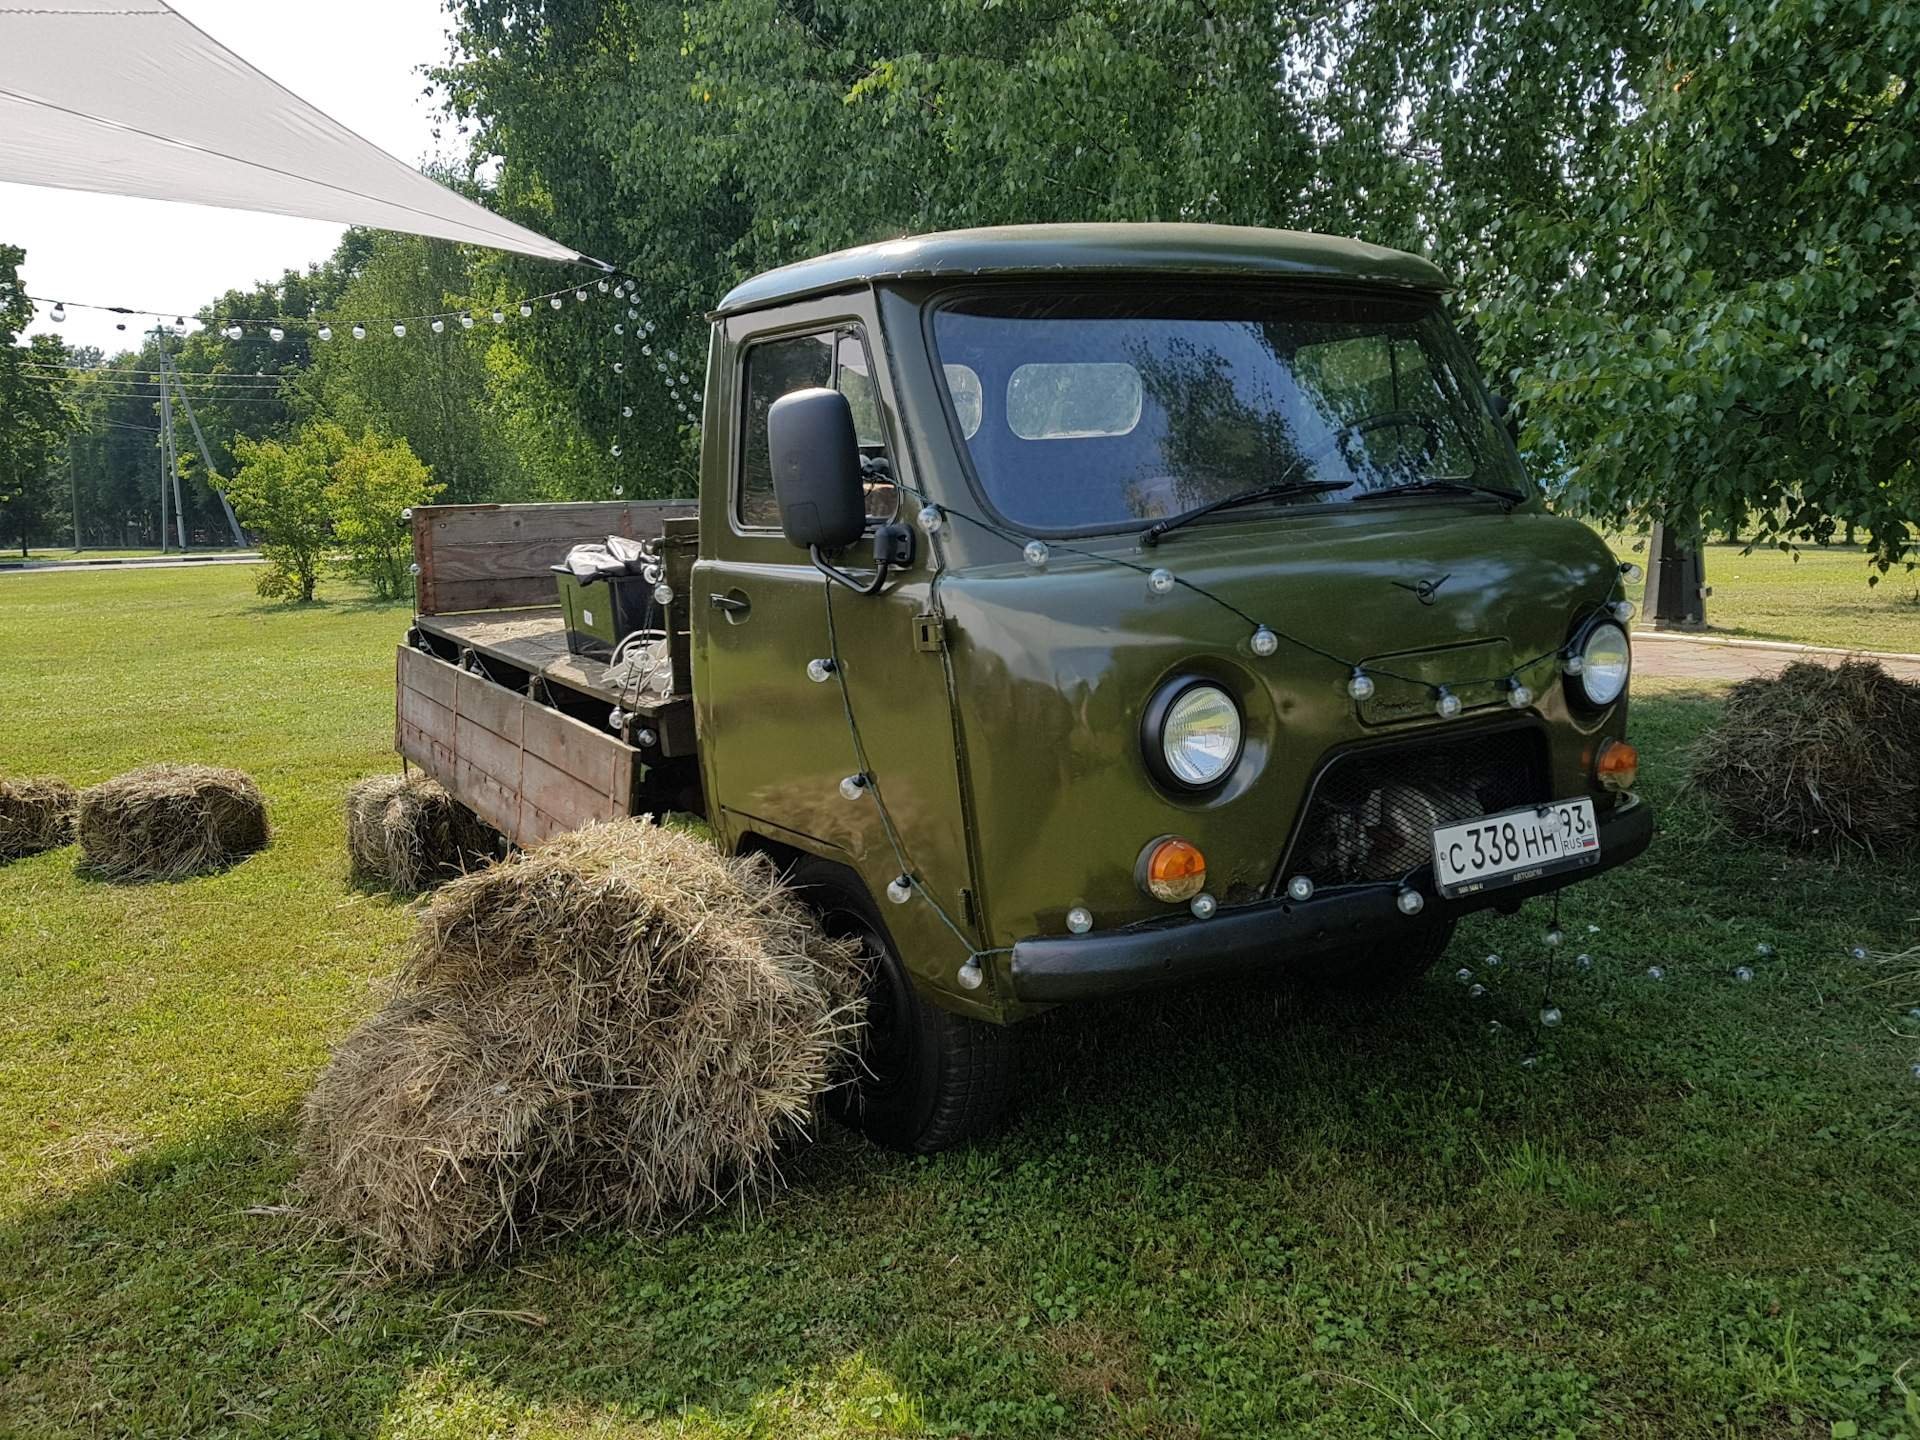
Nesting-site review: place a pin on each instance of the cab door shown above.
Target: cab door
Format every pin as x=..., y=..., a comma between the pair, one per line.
x=775, y=744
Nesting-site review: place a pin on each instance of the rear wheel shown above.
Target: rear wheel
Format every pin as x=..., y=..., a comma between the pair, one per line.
x=927, y=1079
x=1384, y=967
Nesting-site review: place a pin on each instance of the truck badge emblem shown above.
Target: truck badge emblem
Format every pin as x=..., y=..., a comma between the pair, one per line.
x=1426, y=589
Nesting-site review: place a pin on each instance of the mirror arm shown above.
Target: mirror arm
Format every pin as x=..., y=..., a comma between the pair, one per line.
x=833, y=573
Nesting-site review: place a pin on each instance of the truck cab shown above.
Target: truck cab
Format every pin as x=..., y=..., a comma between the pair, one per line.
x=1074, y=610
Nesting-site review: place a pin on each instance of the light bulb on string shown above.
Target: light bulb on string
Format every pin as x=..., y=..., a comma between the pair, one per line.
x=1550, y=1016
x=59, y=312
x=1518, y=695
x=439, y=326
x=1160, y=581
x=179, y=324
x=626, y=412
x=619, y=367
x=1360, y=685
x=276, y=334
x=1036, y=554
x=1631, y=573
x=554, y=301
x=633, y=313
x=1446, y=704
x=853, y=787
x=466, y=319
x=499, y=317
x=359, y=332
x=619, y=329
x=233, y=332
x=601, y=286
x=614, y=450
x=399, y=331
x=1264, y=641
x=1622, y=610
x=526, y=309
x=931, y=519
x=581, y=296
x=325, y=332
x=1573, y=664
x=646, y=350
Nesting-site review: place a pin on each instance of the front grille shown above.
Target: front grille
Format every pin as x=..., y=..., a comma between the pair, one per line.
x=1372, y=813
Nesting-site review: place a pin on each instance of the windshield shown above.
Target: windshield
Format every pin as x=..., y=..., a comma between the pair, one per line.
x=1087, y=410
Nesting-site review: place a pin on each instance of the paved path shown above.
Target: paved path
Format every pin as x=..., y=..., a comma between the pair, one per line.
x=158, y=562
x=1692, y=657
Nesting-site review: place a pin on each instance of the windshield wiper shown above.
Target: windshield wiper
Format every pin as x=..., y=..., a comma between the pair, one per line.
x=1281, y=491
x=1510, y=498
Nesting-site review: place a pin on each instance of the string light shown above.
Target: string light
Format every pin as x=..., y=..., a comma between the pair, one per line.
x=1264, y=641
x=931, y=519
x=1203, y=906
x=466, y=319
x=1623, y=610
x=276, y=334
x=1446, y=704
x=554, y=301
x=1079, y=920
x=1742, y=974
x=1518, y=695
x=499, y=318
x=359, y=332
x=325, y=332
x=1300, y=889
x=820, y=670
x=399, y=330
x=1360, y=685
x=1160, y=581
x=233, y=332
x=1036, y=554
x=1410, y=901
x=1550, y=1016
x=853, y=787
x=900, y=889
x=59, y=312
x=439, y=327
x=526, y=309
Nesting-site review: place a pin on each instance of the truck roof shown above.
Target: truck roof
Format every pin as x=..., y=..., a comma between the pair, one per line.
x=1155, y=249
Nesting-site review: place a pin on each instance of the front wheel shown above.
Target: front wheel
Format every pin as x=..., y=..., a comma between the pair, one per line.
x=926, y=1079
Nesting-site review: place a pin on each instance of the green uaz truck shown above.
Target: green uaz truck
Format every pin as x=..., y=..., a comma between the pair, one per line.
x=1070, y=609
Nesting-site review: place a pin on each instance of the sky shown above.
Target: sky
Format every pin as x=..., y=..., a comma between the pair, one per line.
x=353, y=59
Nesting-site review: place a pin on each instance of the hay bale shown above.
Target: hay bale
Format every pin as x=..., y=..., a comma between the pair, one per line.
x=406, y=834
x=166, y=822
x=35, y=814
x=621, y=1026
x=1820, y=757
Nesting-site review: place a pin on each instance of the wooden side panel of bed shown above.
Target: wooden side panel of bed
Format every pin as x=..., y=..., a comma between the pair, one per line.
x=527, y=770
x=492, y=557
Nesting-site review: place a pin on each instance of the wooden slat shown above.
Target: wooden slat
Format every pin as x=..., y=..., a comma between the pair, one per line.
x=479, y=557
x=525, y=769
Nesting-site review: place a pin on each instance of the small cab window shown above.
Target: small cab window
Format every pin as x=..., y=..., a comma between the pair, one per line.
x=834, y=359
x=1073, y=402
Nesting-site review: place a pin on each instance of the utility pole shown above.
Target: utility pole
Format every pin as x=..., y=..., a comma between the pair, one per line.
x=166, y=441
x=73, y=491
x=206, y=458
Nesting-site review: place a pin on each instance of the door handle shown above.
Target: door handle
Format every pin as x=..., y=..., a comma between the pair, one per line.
x=733, y=604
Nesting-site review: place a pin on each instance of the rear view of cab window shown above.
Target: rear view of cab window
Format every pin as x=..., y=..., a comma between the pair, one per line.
x=1073, y=401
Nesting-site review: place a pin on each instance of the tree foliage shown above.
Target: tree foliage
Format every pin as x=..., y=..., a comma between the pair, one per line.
x=1683, y=231
x=373, y=480
x=34, y=417
x=280, y=494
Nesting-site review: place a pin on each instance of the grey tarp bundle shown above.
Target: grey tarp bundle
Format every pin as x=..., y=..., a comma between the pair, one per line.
x=127, y=97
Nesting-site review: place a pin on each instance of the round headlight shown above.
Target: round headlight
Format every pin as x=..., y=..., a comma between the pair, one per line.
x=1199, y=736
x=1606, y=662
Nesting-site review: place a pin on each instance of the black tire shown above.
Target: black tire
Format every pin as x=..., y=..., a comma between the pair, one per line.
x=927, y=1079
x=1385, y=967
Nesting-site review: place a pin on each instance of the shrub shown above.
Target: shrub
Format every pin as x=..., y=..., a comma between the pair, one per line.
x=279, y=491
x=374, y=479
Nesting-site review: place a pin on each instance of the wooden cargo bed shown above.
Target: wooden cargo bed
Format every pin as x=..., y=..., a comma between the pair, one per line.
x=493, y=705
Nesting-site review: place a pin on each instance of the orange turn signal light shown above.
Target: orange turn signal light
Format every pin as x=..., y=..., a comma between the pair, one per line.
x=1617, y=765
x=1172, y=869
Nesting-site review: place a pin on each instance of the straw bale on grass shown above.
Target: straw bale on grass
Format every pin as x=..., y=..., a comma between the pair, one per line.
x=621, y=1027
x=166, y=822
x=1818, y=757
x=407, y=834
x=35, y=814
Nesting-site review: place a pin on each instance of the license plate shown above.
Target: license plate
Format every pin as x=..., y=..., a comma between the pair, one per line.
x=1514, y=847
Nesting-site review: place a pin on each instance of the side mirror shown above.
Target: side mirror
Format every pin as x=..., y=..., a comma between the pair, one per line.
x=1504, y=412
x=816, y=469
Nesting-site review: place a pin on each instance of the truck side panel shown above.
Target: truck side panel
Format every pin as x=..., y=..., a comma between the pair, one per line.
x=527, y=770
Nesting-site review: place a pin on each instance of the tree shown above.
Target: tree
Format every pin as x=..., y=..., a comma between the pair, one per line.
x=1684, y=231
x=374, y=480
x=280, y=494
x=33, y=416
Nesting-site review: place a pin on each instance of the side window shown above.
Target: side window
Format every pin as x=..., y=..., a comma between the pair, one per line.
x=774, y=368
x=829, y=358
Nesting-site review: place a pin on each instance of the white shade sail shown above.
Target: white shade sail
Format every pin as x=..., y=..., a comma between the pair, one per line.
x=128, y=97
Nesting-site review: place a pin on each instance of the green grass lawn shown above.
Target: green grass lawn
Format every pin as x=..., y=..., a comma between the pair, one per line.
x=1223, y=1212
x=1819, y=598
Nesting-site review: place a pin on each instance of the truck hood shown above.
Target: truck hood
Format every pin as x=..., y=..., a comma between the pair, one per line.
x=1053, y=669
